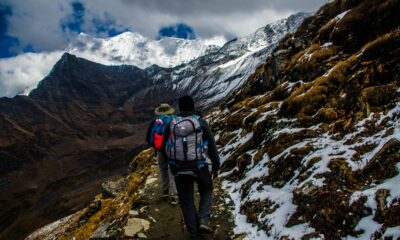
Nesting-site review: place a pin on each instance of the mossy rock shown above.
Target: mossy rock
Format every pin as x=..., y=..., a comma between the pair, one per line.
x=327, y=115
x=382, y=46
x=282, y=170
x=383, y=165
x=341, y=173
x=250, y=119
x=235, y=121
x=261, y=130
x=392, y=216
x=243, y=162
x=225, y=138
x=286, y=140
x=379, y=95
x=259, y=155
x=255, y=208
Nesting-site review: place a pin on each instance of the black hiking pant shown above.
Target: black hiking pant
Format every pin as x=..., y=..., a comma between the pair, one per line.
x=185, y=186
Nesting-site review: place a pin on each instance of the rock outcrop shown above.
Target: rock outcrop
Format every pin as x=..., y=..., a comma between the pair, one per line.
x=309, y=144
x=85, y=120
x=106, y=216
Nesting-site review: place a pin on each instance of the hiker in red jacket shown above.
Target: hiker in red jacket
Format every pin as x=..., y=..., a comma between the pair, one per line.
x=154, y=137
x=187, y=142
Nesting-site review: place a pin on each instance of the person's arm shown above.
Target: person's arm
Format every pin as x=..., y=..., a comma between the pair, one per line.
x=167, y=132
x=149, y=129
x=212, y=146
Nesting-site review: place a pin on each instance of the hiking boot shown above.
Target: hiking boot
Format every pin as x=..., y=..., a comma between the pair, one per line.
x=205, y=228
x=174, y=200
x=164, y=197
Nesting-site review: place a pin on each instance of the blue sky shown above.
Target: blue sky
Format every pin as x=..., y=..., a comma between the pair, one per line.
x=47, y=25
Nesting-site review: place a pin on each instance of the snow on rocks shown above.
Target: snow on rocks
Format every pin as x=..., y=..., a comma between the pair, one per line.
x=294, y=170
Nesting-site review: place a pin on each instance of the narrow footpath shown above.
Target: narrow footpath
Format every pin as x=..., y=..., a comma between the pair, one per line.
x=164, y=215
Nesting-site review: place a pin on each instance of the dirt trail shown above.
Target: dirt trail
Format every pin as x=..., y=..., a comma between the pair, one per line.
x=166, y=218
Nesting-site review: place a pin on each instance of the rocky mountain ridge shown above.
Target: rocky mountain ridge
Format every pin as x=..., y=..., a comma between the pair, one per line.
x=225, y=70
x=310, y=142
x=131, y=48
x=20, y=75
x=84, y=121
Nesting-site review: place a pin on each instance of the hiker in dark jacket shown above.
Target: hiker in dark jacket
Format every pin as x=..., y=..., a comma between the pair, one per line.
x=164, y=111
x=188, y=172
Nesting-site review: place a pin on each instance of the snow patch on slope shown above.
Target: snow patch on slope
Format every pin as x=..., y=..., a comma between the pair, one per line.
x=325, y=147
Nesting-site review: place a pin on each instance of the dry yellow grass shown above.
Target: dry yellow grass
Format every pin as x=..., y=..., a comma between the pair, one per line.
x=118, y=207
x=382, y=45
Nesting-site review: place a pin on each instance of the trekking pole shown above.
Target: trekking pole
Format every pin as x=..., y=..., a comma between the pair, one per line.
x=182, y=223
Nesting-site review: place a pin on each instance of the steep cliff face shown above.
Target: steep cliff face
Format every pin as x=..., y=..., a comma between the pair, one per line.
x=310, y=143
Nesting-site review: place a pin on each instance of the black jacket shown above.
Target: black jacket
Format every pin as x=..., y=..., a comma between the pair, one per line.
x=207, y=136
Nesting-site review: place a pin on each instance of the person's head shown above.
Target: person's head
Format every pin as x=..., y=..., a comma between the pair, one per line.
x=164, y=109
x=186, y=104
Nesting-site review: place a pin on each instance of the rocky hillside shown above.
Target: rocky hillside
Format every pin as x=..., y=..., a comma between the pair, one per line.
x=106, y=215
x=58, y=144
x=310, y=143
x=132, y=207
x=213, y=76
x=84, y=121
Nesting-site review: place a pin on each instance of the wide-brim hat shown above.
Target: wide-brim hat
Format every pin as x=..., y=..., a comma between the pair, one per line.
x=164, y=109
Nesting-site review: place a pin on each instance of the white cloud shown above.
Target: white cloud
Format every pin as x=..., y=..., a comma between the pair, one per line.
x=38, y=22
x=21, y=74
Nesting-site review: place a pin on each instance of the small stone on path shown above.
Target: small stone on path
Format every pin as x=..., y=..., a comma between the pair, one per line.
x=150, y=180
x=133, y=213
x=135, y=225
x=142, y=235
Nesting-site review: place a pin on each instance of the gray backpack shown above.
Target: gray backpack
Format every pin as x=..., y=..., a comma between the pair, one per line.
x=186, y=140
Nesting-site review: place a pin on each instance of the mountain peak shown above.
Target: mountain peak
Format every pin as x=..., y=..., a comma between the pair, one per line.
x=65, y=59
x=135, y=49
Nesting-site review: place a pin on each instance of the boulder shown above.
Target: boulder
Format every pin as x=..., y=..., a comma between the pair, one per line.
x=135, y=225
x=112, y=188
x=107, y=230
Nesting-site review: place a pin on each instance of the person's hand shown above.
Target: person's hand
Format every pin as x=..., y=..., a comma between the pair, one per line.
x=215, y=174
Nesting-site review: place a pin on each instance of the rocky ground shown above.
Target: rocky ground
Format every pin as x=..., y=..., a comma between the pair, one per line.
x=132, y=207
x=165, y=217
x=310, y=143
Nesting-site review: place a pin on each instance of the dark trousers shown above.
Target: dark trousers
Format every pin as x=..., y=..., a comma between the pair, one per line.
x=185, y=186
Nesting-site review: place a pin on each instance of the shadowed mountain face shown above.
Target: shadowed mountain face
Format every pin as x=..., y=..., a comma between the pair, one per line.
x=76, y=129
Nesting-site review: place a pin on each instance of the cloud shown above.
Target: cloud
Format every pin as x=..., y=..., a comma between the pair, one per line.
x=8, y=44
x=51, y=24
x=21, y=74
x=74, y=21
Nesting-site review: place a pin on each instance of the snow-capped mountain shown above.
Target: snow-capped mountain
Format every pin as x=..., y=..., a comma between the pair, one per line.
x=134, y=49
x=90, y=118
x=19, y=75
x=212, y=77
